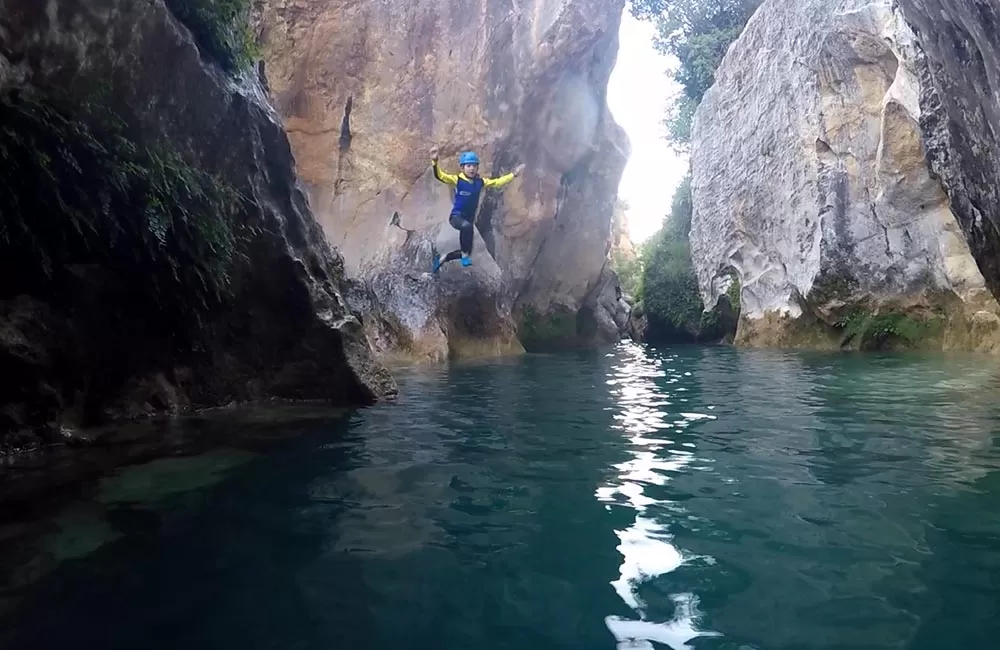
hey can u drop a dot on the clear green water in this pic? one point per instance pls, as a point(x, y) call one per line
point(682, 498)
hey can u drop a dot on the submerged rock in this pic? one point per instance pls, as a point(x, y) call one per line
point(366, 89)
point(810, 181)
point(76, 348)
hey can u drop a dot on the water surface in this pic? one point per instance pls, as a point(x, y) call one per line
point(680, 498)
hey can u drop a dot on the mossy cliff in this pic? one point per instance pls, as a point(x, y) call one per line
point(669, 307)
point(157, 251)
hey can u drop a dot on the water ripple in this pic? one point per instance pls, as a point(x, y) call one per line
point(679, 498)
point(648, 549)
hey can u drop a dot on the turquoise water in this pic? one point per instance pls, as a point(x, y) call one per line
point(680, 498)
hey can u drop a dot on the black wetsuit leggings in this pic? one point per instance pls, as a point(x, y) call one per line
point(464, 228)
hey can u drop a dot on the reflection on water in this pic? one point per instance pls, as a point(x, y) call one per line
point(686, 498)
point(795, 500)
point(649, 418)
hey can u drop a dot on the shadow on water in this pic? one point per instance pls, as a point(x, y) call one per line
point(186, 540)
point(460, 516)
point(678, 498)
point(62, 504)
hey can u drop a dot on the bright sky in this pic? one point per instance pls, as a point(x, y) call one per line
point(637, 95)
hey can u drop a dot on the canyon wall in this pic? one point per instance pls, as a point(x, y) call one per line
point(108, 320)
point(811, 182)
point(366, 89)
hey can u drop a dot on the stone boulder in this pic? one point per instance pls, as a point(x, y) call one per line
point(413, 314)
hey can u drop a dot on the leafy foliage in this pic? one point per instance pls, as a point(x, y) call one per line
point(627, 266)
point(669, 289)
point(681, 209)
point(221, 28)
point(733, 293)
point(78, 191)
point(629, 270)
point(698, 33)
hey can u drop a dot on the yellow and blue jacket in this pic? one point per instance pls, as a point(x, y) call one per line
point(467, 190)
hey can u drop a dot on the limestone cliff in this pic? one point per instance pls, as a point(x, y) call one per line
point(366, 89)
point(810, 181)
point(958, 65)
point(86, 340)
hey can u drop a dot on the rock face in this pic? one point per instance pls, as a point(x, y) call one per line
point(810, 181)
point(959, 70)
point(76, 353)
point(411, 314)
point(365, 90)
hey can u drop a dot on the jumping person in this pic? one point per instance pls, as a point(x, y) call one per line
point(468, 185)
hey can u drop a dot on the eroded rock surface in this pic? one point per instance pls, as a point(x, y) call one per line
point(412, 314)
point(810, 180)
point(959, 70)
point(365, 89)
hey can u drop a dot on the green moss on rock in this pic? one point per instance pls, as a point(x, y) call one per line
point(78, 191)
point(221, 29)
point(878, 330)
point(774, 330)
point(550, 330)
point(734, 292)
point(832, 285)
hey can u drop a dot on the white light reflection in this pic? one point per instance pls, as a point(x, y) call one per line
point(675, 634)
point(645, 557)
point(646, 546)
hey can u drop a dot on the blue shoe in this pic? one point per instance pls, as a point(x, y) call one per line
point(466, 261)
point(436, 264)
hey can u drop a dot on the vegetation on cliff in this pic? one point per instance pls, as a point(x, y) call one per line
point(221, 28)
point(629, 270)
point(625, 258)
point(698, 33)
point(77, 191)
point(669, 297)
point(867, 329)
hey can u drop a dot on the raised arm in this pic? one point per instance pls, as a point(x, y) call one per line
point(443, 176)
point(500, 181)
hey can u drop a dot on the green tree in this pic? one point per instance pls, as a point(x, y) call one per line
point(669, 288)
point(698, 33)
point(671, 300)
point(629, 270)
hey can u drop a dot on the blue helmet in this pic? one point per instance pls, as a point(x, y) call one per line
point(468, 158)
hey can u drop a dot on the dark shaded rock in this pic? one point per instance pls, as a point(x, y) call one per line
point(609, 307)
point(717, 325)
point(960, 114)
point(637, 325)
point(73, 350)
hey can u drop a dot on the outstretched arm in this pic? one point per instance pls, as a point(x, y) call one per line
point(500, 181)
point(444, 177)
